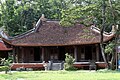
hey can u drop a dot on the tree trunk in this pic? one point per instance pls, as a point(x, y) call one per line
point(112, 61)
point(103, 55)
point(6, 71)
point(102, 31)
point(116, 36)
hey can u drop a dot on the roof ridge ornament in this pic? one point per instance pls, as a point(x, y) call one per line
point(42, 18)
point(114, 28)
point(39, 23)
point(4, 35)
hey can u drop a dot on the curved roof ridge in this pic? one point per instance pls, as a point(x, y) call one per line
point(23, 34)
point(97, 30)
point(35, 29)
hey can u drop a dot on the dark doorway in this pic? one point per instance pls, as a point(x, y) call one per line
point(88, 53)
point(37, 52)
point(61, 53)
point(3, 54)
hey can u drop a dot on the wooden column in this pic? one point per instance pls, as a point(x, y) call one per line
point(16, 55)
point(42, 54)
point(75, 53)
point(45, 52)
point(22, 52)
point(94, 52)
point(14, 60)
point(97, 52)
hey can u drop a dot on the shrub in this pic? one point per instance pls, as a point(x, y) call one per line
point(4, 68)
point(69, 60)
point(6, 64)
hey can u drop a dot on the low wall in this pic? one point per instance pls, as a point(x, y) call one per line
point(39, 66)
point(34, 66)
point(85, 65)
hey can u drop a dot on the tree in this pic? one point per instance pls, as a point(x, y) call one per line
point(109, 49)
point(83, 13)
point(18, 16)
point(102, 31)
point(14, 17)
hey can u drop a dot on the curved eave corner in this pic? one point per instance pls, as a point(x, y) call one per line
point(3, 47)
point(107, 36)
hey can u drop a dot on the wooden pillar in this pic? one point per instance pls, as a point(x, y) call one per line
point(43, 50)
point(75, 53)
point(97, 52)
point(14, 55)
point(94, 52)
point(22, 52)
point(45, 53)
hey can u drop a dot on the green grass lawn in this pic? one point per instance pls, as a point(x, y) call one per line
point(62, 75)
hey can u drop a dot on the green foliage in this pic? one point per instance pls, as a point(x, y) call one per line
point(6, 64)
point(69, 59)
point(13, 17)
point(18, 16)
point(4, 68)
point(10, 57)
point(80, 13)
point(109, 48)
point(89, 12)
point(69, 62)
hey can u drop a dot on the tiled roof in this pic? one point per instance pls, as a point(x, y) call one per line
point(50, 33)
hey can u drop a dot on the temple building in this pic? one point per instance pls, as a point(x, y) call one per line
point(50, 41)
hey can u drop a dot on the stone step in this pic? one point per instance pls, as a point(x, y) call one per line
point(56, 66)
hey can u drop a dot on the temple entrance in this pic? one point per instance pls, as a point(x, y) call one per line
point(88, 52)
point(57, 53)
point(37, 53)
point(61, 53)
